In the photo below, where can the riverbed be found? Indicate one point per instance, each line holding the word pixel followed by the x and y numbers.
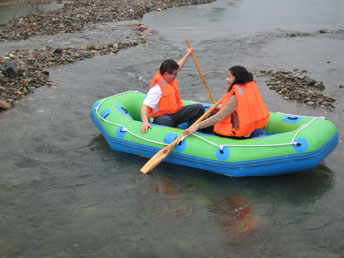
pixel 65 193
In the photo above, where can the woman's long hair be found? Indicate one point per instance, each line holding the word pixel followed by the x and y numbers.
pixel 240 74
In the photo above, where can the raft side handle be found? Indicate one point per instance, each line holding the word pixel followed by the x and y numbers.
pixel 292 119
pixel 300 145
pixel 122 110
pixel 181 141
pixel 287 114
pixel 105 113
pixel 222 153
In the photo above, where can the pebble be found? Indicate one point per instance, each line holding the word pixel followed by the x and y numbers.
pixel 73 17
pixel 4 105
pixel 295 85
pixel 31 65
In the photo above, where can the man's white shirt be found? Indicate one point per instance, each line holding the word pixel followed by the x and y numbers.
pixel 153 97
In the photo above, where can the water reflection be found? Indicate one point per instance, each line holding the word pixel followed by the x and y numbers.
pixel 300 188
pixel 98 143
pixel 236 216
pixel 243 209
pixel 166 199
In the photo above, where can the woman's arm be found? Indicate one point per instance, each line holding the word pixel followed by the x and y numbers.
pixel 228 109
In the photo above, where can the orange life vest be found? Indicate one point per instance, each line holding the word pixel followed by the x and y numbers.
pixel 170 101
pixel 251 111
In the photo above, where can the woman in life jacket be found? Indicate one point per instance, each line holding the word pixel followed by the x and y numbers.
pixel 242 110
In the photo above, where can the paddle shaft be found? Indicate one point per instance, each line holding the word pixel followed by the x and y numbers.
pixel 160 155
pixel 201 74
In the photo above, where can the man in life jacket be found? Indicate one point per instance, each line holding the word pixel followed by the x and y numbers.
pixel 242 110
pixel 163 104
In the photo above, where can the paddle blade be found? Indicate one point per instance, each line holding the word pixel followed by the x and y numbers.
pixel 156 159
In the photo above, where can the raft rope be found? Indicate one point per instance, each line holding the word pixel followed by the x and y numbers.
pixel 124 129
pixel 292 142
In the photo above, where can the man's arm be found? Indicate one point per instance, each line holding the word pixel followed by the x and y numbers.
pixel 152 99
pixel 144 118
pixel 183 60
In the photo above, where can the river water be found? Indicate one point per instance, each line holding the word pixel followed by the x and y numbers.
pixel 10 10
pixel 65 193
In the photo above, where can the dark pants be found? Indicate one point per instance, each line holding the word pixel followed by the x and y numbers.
pixel 189 113
pixel 209 130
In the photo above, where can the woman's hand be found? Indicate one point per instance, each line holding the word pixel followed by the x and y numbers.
pixel 191 130
pixel 215 111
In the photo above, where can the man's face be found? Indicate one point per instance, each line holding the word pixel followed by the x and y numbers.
pixel 170 77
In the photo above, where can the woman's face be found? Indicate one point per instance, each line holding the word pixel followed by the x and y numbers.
pixel 229 79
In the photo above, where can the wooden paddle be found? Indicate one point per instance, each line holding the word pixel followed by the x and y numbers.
pixel 201 74
pixel 160 155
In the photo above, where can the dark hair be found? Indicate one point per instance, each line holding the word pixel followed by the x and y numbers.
pixel 240 74
pixel 169 66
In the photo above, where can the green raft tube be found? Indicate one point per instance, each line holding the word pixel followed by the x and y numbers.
pixel 289 143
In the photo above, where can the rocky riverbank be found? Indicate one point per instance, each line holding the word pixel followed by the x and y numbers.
pixel 296 85
pixel 76 15
pixel 28 70
pixel 24 70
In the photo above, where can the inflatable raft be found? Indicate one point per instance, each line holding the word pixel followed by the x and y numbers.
pixel 289 143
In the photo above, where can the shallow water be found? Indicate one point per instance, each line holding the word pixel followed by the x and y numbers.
pixel 64 193
pixel 10 11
